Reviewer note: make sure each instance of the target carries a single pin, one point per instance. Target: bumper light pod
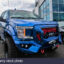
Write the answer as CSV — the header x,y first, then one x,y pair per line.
x,y
25,46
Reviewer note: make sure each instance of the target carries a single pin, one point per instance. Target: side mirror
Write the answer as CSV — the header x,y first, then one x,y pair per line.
x,y
1,19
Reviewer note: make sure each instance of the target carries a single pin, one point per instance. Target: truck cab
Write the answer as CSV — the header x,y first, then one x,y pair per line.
x,y
28,33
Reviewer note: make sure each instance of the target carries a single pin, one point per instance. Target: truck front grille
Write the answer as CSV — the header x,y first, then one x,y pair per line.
x,y
50,32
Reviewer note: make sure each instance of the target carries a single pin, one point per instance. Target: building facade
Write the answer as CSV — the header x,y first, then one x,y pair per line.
x,y
50,10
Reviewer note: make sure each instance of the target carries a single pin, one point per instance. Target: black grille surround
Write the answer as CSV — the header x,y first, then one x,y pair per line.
x,y
53,33
47,44
38,29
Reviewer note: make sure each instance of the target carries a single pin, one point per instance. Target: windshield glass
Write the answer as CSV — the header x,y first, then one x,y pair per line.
x,y
23,15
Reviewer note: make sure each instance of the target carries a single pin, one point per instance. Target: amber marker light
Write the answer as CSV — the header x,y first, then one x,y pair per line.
x,y
24,32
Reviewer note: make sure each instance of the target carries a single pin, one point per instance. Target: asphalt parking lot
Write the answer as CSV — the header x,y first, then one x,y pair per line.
x,y
59,53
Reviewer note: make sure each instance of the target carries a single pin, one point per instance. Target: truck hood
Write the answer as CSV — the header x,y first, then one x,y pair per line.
x,y
28,22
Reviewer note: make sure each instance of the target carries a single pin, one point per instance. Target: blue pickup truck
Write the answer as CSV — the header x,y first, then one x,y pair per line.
x,y
27,33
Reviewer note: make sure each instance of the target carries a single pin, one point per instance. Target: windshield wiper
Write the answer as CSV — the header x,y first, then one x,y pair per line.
x,y
18,17
26,18
31,18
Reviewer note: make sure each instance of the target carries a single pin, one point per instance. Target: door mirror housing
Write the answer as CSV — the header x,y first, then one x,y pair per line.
x,y
3,20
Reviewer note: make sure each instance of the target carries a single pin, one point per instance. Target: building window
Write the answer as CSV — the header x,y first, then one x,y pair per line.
x,y
55,16
48,17
55,1
61,16
58,16
61,1
58,10
44,10
55,7
61,7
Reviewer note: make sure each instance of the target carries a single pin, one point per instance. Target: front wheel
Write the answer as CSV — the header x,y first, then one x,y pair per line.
x,y
10,49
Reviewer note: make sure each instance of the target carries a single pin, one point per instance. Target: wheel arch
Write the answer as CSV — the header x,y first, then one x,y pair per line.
x,y
6,34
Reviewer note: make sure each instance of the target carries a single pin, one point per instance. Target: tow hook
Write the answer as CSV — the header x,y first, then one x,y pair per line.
x,y
42,51
57,46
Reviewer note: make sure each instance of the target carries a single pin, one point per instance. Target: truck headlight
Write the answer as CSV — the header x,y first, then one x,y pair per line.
x,y
21,32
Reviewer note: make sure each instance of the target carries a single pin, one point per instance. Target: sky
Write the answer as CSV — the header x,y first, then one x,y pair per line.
x,y
18,4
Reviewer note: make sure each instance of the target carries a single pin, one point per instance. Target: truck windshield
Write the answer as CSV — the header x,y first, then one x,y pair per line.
x,y
23,15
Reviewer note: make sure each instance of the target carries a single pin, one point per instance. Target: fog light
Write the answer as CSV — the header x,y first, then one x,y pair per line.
x,y
22,45
26,46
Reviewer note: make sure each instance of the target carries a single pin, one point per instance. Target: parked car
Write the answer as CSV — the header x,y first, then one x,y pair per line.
x,y
61,30
27,33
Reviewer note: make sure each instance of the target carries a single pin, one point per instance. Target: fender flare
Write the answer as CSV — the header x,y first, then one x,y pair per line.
x,y
10,30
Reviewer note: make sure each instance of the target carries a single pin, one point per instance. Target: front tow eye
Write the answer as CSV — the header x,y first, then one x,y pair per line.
x,y
42,51
57,46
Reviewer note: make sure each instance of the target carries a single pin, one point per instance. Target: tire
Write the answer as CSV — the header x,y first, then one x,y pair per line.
x,y
2,50
11,50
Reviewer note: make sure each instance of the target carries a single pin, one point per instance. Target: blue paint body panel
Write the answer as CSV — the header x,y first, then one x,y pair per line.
x,y
37,25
